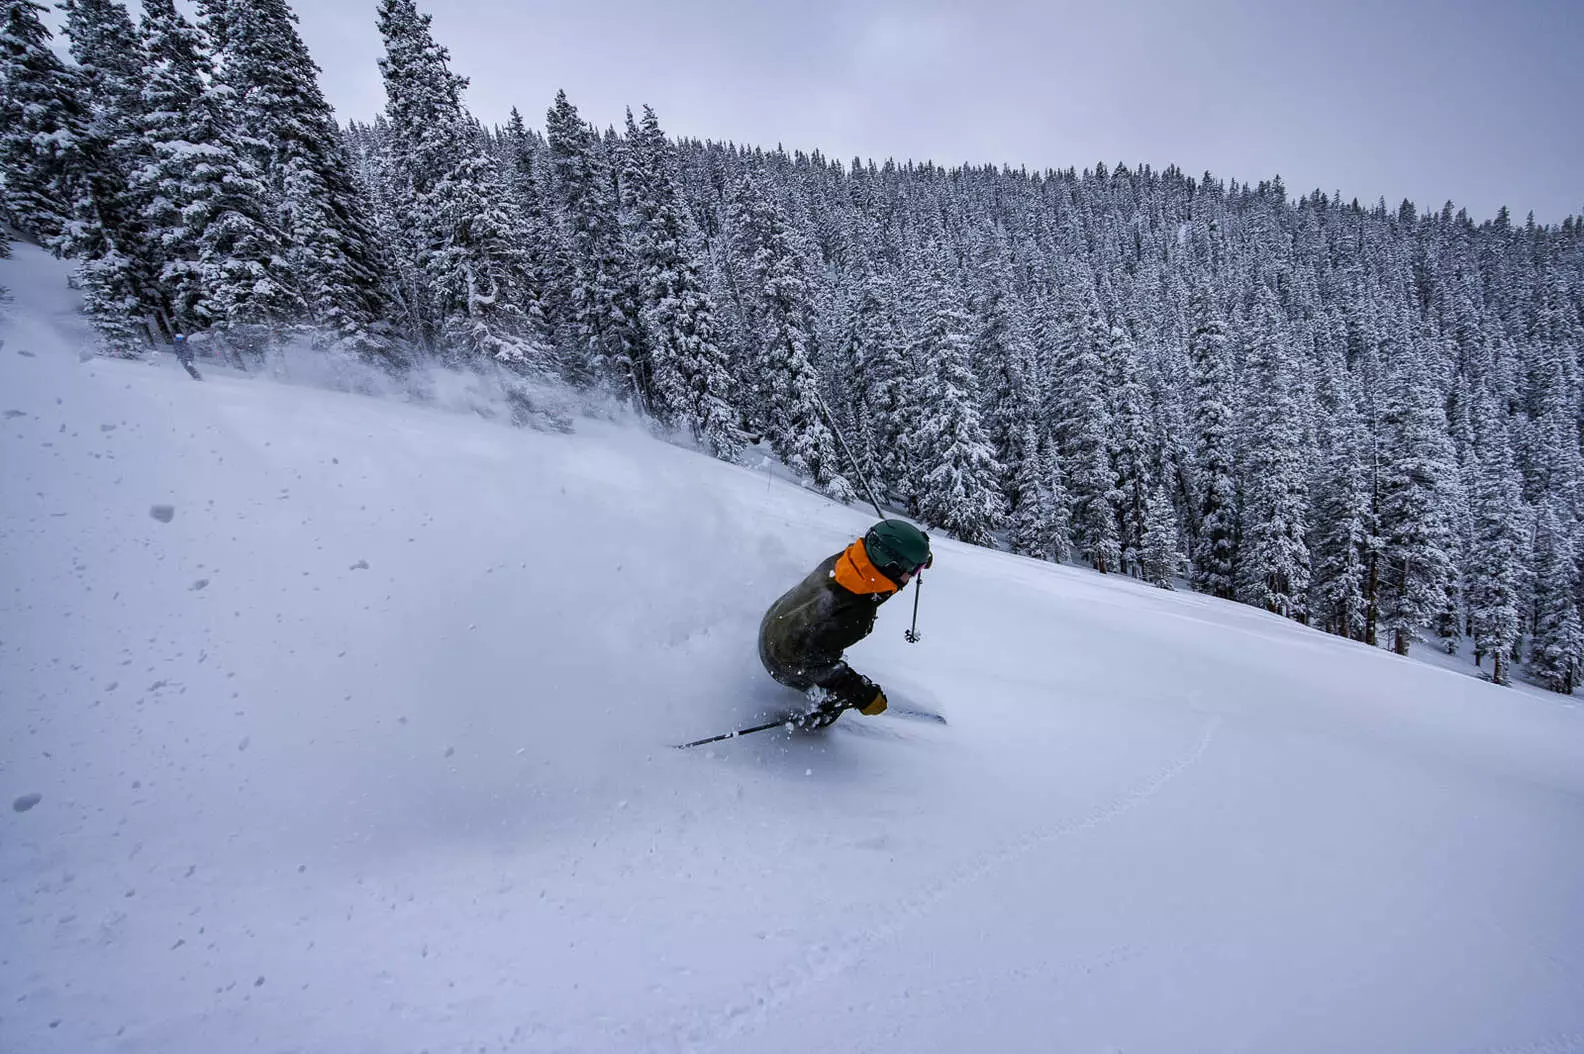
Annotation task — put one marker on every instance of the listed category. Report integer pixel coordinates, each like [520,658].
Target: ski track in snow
[822,963]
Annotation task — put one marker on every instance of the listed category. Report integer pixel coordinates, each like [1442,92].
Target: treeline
[1362,418]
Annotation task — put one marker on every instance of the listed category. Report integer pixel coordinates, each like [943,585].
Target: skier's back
[803,635]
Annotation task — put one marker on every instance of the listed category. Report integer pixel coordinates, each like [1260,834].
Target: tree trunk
[1371,601]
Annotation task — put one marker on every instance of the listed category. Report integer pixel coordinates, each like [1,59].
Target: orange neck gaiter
[856,574]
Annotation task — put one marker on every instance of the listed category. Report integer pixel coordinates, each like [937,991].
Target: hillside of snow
[334,723]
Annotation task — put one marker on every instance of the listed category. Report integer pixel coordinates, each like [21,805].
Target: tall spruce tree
[1041,521]
[1273,554]
[1004,353]
[1082,425]
[1128,442]
[1558,641]
[116,270]
[1215,559]
[961,490]
[691,381]
[1495,560]
[546,292]
[291,138]
[1415,493]
[471,242]
[204,207]
[789,401]
[1160,556]
[604,326]
[43,129]
[1341,513]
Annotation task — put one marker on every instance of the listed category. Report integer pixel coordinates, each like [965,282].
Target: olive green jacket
[803,635]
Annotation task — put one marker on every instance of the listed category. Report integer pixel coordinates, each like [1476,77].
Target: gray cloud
[1460,99]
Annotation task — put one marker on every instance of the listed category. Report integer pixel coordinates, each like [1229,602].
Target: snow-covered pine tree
[1495,560]
[1160,556]
[547,295]
[1128,441]
[1415,493]
[1341,514]
[1273,554]
[1555,465]
[203,206]
[116,272]
[864,346]
[1215,560]
[207,214]
[1005,355]
[692,384]
[471,246]
[787,384]
[1082,424]
[383,187]
[605,326]
[43,125]
[1558,641]
[214,18]
[961,489]
[1041,523]
[290,135]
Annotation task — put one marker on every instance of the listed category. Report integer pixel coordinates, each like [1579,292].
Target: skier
[184,355]
[803,635]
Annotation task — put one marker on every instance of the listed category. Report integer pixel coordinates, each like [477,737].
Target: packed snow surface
[335,723]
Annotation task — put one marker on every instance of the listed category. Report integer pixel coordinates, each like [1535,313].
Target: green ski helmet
[896,547]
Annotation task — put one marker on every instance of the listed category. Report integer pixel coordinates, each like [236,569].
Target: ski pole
[848,451]
[911,635]
[732,735]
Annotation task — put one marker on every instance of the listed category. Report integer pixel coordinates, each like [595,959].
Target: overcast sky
[1473,100]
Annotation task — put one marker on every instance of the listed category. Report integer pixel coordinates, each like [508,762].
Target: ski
[907,712]
[915,715]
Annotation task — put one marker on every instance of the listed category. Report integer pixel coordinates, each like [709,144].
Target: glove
[859,692]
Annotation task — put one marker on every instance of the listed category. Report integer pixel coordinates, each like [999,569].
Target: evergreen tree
[961,477]
[1041,522]
[1129,447]
[1495,569]
[1273,553]
[1415,494]
[604,325]
[781,313]
[888,384]
[691,382]
[547,294]
[203,205]
[469,239]
[1215,560]
[1555,649]
[290,137]
[116,273]
[867,349]
[1005,354]
[1341,515]
[1160,558]
[1082,426]
[43,126]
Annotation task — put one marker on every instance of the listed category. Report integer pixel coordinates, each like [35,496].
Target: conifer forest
[1359,416]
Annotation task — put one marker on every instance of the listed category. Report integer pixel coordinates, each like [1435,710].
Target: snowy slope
[365,750]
